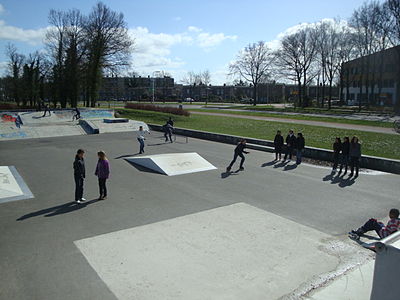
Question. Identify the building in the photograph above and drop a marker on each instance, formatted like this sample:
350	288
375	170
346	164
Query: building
373	79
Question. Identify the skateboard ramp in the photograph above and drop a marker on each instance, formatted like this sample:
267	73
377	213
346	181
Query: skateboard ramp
173	163
12	186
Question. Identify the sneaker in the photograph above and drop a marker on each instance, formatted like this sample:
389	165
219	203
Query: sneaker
78	202
104	198
82	199
228	169
100	198
241	169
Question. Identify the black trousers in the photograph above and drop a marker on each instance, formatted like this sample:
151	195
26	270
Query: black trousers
336	157
166	135
102	187
235	156
78	187
345	162
278	152
289	152
354	164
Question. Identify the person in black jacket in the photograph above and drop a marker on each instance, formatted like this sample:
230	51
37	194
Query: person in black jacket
355	155
168	129
290	144
239	150
278	143
170	121
79	175
345	155
337	147
300	144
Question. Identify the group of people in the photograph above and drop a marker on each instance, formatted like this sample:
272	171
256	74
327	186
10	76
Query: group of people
293	145
347	153
102	172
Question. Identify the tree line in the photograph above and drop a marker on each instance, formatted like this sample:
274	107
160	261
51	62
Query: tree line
316	53
79	50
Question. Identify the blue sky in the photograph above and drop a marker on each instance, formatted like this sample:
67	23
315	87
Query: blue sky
176	35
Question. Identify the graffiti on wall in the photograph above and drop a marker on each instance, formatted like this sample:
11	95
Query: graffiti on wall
8	118
96	114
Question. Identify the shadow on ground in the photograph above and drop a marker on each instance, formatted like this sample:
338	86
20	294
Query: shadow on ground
57	210
340	180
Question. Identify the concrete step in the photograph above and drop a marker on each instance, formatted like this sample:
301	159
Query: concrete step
260	147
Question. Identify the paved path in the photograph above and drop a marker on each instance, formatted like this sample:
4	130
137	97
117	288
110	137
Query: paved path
305	122
229	235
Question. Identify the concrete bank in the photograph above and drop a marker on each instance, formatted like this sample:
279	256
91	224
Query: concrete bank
368	162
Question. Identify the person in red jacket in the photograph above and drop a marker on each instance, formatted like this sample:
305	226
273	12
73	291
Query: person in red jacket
103	173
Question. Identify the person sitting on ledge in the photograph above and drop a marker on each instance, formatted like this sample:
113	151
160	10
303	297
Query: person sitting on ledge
380	228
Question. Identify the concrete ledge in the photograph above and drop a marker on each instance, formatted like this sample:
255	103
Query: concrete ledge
116	120
368	162
89	127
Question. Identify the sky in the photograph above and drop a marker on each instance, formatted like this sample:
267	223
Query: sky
177	36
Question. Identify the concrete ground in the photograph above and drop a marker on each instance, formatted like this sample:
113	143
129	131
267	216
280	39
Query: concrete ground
54	249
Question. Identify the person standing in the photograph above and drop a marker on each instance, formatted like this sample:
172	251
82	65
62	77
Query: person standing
79	175
337	147
170	121
46	109
103	173
239	150
290	145
278	144
141	138
345	155
77	114
300	144
355	155
18	121
168	129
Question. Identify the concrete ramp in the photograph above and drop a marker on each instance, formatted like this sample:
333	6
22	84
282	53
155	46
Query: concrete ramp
173	163
12	186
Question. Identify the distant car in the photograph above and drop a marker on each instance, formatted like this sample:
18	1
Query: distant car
188	100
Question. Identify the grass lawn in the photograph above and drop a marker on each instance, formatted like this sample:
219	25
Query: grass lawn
298	117
383	145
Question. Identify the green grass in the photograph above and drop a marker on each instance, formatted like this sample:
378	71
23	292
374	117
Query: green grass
376	144
299	117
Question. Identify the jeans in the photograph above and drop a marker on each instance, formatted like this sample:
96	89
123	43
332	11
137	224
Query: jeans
166	135
102	187
299	155
336	156
78	187
289	152
141	143
354	163
235	156
345	162
373	224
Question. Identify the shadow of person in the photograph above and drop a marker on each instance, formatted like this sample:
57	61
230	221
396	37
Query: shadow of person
281	164
328	177
336	179
290	167
346	182
57	210
227	174
270	163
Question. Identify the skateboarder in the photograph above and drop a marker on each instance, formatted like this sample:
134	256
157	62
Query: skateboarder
46	109
141	137
239	150
290	145
79	175
383	231
170	121
278	143
102	172
77	114
168	129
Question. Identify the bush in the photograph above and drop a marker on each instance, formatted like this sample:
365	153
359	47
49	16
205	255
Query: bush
164	109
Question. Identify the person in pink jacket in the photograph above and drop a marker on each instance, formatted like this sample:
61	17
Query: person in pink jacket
103	173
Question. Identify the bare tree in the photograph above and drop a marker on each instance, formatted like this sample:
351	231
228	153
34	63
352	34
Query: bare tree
15	63
253	64
108	46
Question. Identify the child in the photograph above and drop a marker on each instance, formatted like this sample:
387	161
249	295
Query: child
337	147
379	227
79	175
140	137
278	143
239	150
102	172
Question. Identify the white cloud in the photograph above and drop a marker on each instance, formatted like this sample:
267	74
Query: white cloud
209	40
30	36
194	29
177	19
2	9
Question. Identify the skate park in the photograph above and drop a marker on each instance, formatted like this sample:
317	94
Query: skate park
269	230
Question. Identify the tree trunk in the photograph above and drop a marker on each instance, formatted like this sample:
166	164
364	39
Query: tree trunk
255	94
